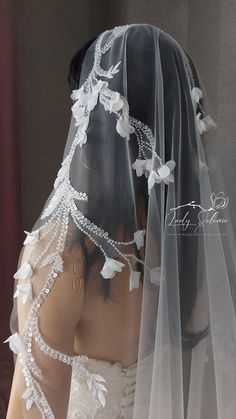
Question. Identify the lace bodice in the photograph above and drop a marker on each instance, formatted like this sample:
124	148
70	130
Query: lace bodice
120	385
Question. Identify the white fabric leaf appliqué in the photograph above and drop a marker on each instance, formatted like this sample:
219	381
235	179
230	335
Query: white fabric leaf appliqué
196	94
96	387
89	383
24	272
204	124
29	404
163	174
115	103
101	398
25	291
110	267
113	70
27	393
91	98
124	128
152	179
15	343
139	238
77	93
142	166
139	166
99	378
134	280
32	237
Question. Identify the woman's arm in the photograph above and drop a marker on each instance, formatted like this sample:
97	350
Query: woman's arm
57	320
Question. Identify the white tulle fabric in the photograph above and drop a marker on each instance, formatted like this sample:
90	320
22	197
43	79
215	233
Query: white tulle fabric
140	130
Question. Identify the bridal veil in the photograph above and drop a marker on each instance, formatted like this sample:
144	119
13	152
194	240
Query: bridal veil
140	131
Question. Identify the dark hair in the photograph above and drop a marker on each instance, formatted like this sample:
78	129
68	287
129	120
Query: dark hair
102	217
76	65
111	205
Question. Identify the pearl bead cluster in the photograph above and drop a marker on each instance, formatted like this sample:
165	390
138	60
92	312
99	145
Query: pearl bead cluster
190	75
141	131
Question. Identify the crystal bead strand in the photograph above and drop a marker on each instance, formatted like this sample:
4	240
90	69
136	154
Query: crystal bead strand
85	224
190	76
47	247
33	250
151	145
37	395
55	354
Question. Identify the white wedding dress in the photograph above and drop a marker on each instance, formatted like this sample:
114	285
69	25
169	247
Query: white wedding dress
120	383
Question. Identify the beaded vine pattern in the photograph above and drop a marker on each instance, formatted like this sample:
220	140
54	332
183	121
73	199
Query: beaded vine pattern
62	204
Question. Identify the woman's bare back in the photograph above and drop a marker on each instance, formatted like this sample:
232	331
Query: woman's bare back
109	330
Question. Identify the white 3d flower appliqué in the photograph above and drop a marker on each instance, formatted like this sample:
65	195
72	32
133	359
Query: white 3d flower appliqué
81	136
25	291
96	89
196	95
86	101
110	267
115	103
163	173
32	237
139	165
78	113
92	97
142	166
134	280
15	343
77	94
124	128
139	238
204	124
24	272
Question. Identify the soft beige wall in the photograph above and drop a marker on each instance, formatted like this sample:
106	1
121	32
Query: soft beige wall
49	34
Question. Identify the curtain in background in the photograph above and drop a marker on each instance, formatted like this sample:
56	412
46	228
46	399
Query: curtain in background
10	192
48	34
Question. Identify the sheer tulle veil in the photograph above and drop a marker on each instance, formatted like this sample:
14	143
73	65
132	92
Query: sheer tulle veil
142	129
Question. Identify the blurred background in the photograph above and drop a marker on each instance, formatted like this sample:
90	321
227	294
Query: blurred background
37	42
